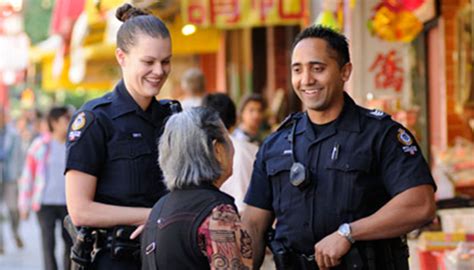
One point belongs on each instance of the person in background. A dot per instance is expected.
(112, 180)
(193, 84)
(42, 185)
(251, 117)
(344, 183)
(195, 226)
(10, 171)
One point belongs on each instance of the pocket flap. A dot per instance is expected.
(354, 163)
(128, 149)
(278, 164)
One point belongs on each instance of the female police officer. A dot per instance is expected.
(112, 178)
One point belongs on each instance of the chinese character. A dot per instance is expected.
(389, 73)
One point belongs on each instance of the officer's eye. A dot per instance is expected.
(296, 69)
(147, 62)
(318, 69)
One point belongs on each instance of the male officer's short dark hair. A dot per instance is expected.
(337, 42)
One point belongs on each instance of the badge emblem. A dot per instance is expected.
(403, 137)
(79, 122)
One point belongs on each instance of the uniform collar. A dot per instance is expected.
(348, 120)
(122, 101)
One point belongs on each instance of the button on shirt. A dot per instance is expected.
(113, 139)
(371, 165)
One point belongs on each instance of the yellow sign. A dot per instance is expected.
(243, 13)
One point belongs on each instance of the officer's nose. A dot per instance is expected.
(159, 69)
(307, 78)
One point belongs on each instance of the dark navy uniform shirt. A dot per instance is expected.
(113, 139)
(376, 159)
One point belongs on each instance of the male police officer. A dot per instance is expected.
(344, 183)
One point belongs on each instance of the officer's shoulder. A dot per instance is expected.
(94, 104)
(171, 105)
(288, 121)
(375, 114)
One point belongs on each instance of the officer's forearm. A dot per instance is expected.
(84, 211)
(405, 212)
(256, 221)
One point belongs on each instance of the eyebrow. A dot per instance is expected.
(149, 57)
(310, 63)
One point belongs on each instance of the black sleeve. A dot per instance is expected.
(402, 165)
(259, 192)
(86, 144)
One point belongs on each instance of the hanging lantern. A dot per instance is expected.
(392, 25)
(411, 5)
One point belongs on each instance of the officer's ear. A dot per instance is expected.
(120, 56)
(346, 71)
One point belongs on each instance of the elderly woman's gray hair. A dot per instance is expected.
(186, 148)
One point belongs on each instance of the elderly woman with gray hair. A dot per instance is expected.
(195, 226)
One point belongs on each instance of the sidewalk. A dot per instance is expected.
(30, 257)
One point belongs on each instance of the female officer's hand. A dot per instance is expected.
(137, 231)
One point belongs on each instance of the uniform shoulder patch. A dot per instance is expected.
(407, 142)
(79, 124)
(377, 114)
(288, 120)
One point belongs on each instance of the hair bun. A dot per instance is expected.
(127, 11)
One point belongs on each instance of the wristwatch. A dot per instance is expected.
(345, 230)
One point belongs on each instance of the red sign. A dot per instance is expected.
(389, 74)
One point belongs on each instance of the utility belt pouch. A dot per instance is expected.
(82, 249)
(121, 246)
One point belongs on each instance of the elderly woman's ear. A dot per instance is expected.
(219, 151)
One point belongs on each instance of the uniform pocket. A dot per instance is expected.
(129, 161)
(348, 176)
(278, 171)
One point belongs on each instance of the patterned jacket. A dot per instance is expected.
(32, 180)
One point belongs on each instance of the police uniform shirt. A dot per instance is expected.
(356, 165)
(113, 139)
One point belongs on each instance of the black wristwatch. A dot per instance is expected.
(345, 230)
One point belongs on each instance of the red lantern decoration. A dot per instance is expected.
(411, 5)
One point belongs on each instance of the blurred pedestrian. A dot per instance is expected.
(193, 84)
(195, 226)
(251, 119)
(112, 179)
(10, 171)
(42, 185)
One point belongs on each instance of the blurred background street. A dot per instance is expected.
(30, 256)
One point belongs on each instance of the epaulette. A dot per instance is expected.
(106, 99)
(172, 105)
(288, 121)
(377, 114)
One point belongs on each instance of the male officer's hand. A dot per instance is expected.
(329, 250)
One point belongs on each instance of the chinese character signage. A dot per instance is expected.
(242, 13)
(388, 71)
